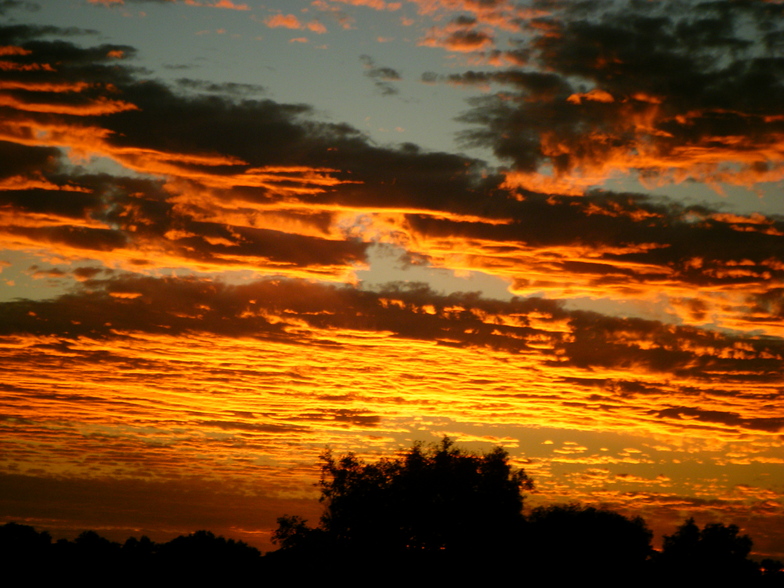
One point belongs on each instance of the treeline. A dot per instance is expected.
(98, 561)
(432, 515)
(442, 514)
(563, 543)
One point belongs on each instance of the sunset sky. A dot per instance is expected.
(236, 232)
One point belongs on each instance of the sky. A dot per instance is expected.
(236, 233)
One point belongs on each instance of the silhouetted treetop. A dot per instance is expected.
(717, 552)
(20, 544)
(431, 498)
(592, 542)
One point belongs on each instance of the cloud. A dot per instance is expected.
(345, 21)
(729, 419)
(501, 14)
(223, 89)
(316, 27)
(675, 93)
(290, 21)
(381, 76)
(6, 5)
(618, 246)
(248, 184)
(160, 142)
(374, 4)
(659, 362)
(98, 107)
(462, 34)
(227, 4)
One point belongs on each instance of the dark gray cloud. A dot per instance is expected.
(729, 419)
(20, 159)
(11, 5)
(609, 342)
(610, 221)
(225, 89)
(636, 240)
(77, 92)
(674, 78)
(594, 341)
(381, 76)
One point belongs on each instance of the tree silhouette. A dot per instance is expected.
(572, 542)
(22, 545)
(292, 533)
(717, 553)
(203, 558)
(431, 499)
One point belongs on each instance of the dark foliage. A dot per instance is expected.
(94, 560)
(445, 515)
(22, 545)
(430, 499)
(717, 553)
(435, 511)
(569, 542)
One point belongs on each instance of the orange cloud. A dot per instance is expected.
(627, 124)
(219, 4)
(596, 95)
(101, 106)
(229, 5)
(456, 37)
(288, 21)
(37, 182)
(316, 27)
(43, 86)
(374, 4)
(14, 50)
(13, 66)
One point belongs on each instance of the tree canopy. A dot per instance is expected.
(718, 552)
(429, 499)
(572, 541)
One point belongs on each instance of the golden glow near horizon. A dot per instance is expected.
(184, 326)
